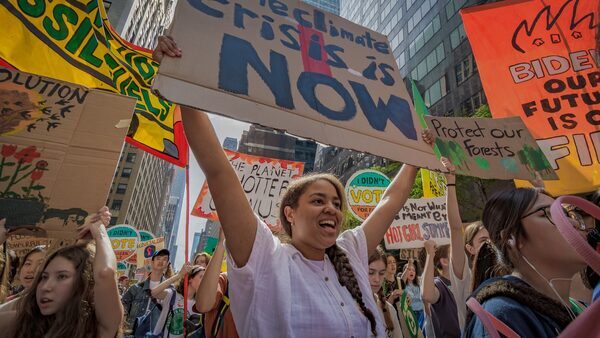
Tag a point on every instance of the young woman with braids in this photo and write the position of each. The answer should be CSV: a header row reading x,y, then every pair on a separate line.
x,y
377,269
318,285
75,294
533,297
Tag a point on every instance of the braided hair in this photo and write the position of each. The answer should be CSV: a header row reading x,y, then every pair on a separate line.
x,y
347,279
336,255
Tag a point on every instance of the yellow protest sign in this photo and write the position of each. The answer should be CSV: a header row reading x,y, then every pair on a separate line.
x,y
73,41
434,183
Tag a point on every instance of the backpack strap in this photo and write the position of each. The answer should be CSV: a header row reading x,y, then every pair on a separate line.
x,y
493,325
223,307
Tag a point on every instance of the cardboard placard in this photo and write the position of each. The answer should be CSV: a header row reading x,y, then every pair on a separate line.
x,y
21,245
539,60
364,190
59,150
490,148
146,249
293,67
419,220
263,179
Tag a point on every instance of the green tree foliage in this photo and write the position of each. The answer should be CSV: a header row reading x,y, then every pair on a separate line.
x,y
483,112
350,222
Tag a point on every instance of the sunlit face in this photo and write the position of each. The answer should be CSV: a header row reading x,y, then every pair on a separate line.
x,y
29,268
160,263
56,286
195,282
376,274
392,266
480,237
317,220
543,243
411,273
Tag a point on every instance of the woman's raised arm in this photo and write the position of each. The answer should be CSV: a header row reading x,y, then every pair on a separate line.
x,y
235,214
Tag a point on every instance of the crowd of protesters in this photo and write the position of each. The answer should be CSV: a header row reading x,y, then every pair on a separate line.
x,y
513,263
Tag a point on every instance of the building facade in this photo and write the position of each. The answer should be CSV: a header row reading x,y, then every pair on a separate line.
x,y
430,47
139,194
332,6
344,162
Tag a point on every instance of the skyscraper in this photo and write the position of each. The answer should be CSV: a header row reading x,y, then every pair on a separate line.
x,y
332,6
139,193
430,46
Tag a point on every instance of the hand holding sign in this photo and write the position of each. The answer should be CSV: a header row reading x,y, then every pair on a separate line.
x,y
166,46
94,225
428,137
185,269
430,247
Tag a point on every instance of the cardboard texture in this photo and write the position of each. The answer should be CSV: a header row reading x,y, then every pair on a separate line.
x,y
490,148
364,190
293,67
539,60
263,179
59,150
419,220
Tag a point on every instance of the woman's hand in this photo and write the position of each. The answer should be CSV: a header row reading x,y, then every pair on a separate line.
x,y
394,295
430,247
185,269
95,225
165,46
428,137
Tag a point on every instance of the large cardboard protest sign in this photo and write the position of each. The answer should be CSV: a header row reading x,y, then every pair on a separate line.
x,y
364,190
288,65
419,220
73,41
539,60
59,149
490,148
146,249
263,180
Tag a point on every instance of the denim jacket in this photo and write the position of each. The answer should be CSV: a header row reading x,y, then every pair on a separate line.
x,y
135,302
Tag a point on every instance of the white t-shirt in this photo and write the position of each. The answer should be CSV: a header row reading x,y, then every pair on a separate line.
x,y
280,293
175,326
461,290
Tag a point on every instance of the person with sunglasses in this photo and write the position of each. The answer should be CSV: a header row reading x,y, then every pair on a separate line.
x,y
533,298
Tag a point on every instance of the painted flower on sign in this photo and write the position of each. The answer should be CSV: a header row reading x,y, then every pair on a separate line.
x,y
18,177
36,174
27,155
8,150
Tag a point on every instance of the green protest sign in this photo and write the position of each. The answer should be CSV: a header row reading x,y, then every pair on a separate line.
x,y
409,317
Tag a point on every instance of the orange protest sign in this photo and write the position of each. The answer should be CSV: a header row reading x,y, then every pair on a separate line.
x,y
263,179
538,60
